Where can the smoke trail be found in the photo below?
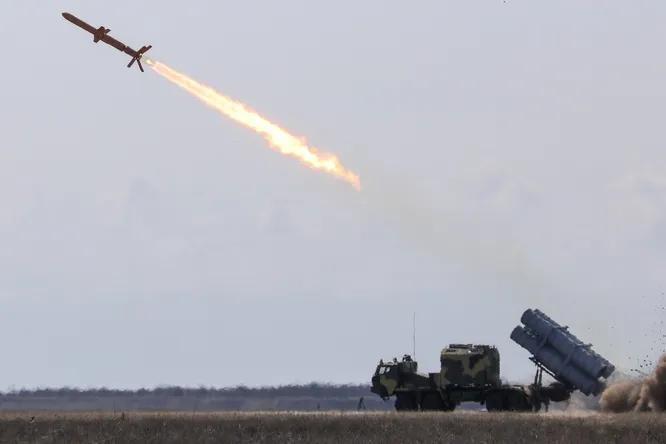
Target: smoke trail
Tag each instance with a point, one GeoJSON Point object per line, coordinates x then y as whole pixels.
{"type": "Point", "coordinates": [475, 242]}
{"type": "Point", "coordinates": [451, 238]}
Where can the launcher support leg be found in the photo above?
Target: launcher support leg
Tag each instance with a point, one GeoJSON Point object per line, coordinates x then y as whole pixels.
{"type": "Point", "coordinates": [538, 377]}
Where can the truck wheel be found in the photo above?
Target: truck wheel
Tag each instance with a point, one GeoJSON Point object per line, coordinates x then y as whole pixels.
{"type": "Point", "coordinates": [517, 402]}
{"type": "Point", "coordinates": [433, 401]}
{"type": "Point", "coordinates": [496, 402]}
{"type": "Point", "coordinates": [536, 405]}
{"type": "Point", "coordinates": [405, 402]}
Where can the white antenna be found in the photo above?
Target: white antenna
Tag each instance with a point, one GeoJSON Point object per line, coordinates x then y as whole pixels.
{"type": "Point", "coordinates": [414, 336]}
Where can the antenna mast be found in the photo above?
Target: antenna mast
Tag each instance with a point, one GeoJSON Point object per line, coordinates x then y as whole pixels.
{"type": "Point", "coordinates": [414, 335]}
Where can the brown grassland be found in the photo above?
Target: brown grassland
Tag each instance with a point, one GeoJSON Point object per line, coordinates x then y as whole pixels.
{"type": "Point", "coordinates": [324, 427]}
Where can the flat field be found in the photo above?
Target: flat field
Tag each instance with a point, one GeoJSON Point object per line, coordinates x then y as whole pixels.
{"type": "Point", "coordinates": [329, 427]}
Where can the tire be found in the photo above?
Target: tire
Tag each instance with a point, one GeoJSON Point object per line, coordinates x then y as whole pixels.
{"type": "Point", "coordinates": [496, 402]}
{"type": "Point", "coordinates": [405, 402]}
{"type": "Point", "coordinates": [517, 402]}
{"type": "Point", "coordinates": [432, 401]}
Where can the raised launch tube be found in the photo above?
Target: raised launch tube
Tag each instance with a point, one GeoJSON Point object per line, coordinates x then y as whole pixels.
{"type": "Point", "coordinates": [553, 361]}
{"type": "Point", "coordinates": [575, 351]}
{"type": "Point", "coordinates": [610, 368]}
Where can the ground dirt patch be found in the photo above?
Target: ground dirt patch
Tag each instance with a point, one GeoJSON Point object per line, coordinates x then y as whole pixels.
{"type": "Point", "coordinates": [323, 428]}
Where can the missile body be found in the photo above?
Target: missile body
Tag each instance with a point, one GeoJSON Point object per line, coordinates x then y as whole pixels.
{"type": "Point", "coordinates": [102, 34]}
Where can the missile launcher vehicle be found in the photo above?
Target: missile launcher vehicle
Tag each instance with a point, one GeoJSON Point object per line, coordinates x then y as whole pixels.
{"type": "Point", "coordinates": [471, 372]}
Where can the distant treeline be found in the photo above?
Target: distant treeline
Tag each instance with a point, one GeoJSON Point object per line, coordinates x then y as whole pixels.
{"type": "Point", "coordinates": [313, 396]}
{"type": "Point", "coordinates": [313, 389]}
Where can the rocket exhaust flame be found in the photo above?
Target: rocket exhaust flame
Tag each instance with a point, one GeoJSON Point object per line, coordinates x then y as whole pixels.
{"type": "Point", "coordinates": [278, 138]}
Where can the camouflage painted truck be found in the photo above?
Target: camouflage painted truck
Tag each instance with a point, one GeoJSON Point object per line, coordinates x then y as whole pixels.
{"type": "Point", "coordinates": [471, 373]}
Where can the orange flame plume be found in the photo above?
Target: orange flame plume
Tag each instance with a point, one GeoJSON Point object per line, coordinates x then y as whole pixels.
{"type": "Point", "coordinates": [277, 137]}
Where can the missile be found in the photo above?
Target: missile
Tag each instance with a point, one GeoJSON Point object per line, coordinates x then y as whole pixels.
{"type": "Point", "coordinates": [102, 34]}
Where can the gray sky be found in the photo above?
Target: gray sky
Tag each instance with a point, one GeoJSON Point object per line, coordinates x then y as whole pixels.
{"type": "Point", "coordinates": [511, 157]}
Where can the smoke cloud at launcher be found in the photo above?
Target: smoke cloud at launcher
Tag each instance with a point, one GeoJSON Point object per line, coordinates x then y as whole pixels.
{"type": "Point", "coordinates": [648, 394]}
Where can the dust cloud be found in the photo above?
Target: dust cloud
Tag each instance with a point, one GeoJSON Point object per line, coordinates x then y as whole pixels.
{"type": "Point", "coordinates": [646, 395]}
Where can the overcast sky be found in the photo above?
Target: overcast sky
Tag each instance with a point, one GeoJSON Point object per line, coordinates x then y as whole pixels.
{"type": "Point", "coordinates": [511, 156]}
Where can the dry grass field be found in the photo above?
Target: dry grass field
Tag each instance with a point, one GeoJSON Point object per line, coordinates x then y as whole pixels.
{"type": "Point", "coordinates": [384, 428]}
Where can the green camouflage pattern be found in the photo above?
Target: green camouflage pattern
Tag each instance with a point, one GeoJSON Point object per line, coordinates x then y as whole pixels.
{"type": "Point", "coordinates": [461, 365]}
{"type": "Point", "coordinates": [468, 373]}
{"type": "Point", "coordinates": [391, 375]}
{"type": "Point", "coordinates": [469, 365]}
